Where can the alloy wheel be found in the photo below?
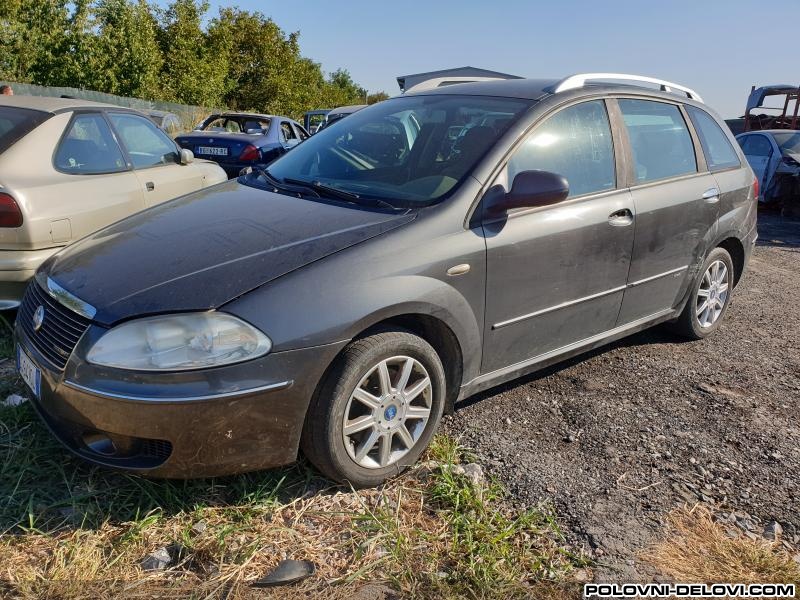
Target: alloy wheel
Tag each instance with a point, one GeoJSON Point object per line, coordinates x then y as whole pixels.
{"type": "Point", "coordinates": [387, 412]}
{"type": "Point", "coordinates": [712, 294]}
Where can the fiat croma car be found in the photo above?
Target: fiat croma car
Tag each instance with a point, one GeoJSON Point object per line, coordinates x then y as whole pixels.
{"type": "Point", "coordinates": [423, 249]}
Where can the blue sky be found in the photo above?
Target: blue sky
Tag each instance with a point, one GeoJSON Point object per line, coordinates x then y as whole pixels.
{"type": "Point", "coordinates": [709, 45]}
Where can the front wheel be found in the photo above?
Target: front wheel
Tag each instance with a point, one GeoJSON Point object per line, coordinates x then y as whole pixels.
{"type": "Point", "coordinates": [710, 297]}
{"type": "Point", "coordinates": [376, 410]}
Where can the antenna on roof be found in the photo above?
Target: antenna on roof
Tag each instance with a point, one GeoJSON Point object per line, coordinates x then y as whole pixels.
{"type": "Point", "coordinates": [578, 81]}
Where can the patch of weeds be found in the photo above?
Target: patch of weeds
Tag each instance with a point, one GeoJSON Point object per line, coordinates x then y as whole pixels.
{"type": "Point", "coordinates": [697, 548]}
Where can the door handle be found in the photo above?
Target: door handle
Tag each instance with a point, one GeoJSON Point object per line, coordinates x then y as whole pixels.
{"type": "Point", "coordinates": [711, 195]}
{"type": "Point", "coordinates": [150, 186]}
{"type": "Point", "coordinates": [621, 218]}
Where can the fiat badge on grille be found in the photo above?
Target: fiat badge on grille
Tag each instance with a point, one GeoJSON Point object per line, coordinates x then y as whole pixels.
{"type": "Point", "coordinates": [38, 318]}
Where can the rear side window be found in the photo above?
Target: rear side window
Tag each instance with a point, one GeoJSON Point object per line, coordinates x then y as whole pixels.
{"type": "Point", "coordinates": [89, 147]}
{"type": "Point", "coordinates": [16, 123]}
{"type": "Point", "coordinates": [660, 140]}
{"type": "Point", "coordinates": [718, 150]}
{"type": "Point", "coordinates": [147, 145]}
{"type": "Point", "coordinates": [575, 143]}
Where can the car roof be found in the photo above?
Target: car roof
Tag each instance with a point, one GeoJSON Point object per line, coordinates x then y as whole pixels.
{"type": "Point", "coordinates": [51, 104]}
{"type": "Point", "coordinates": [538, 89]}
{"type": "Point", "coordinates": [246, 114]}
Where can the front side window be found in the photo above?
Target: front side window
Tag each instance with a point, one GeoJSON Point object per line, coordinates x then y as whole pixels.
{"type": "Point", "coordinates": [575, 143]}
{"type": "Point", "coordinates": [286, 132]}
{"type": "Point", "coordinates": [301, 133]}
{"type": "Point", "coordinates": [408, 151]}
{"type": "Point", "coordinates": [716, 146]}
{"type": "Point", "coordinates": [89, 147]}
{"type": "Point", "coordinates": [660, 141]}
{"type": "Point", "coordinates": [147, 145]}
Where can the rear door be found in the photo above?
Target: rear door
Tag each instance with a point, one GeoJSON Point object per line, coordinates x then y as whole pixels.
{"type": "Point", "coordinates": [676, 201]}
{"type": "Point", "coordinates": [155, 159]}
{"type": "Point", "coordinates": [556, 274]}
{"type": "Point", "coordinates": [733, 179]}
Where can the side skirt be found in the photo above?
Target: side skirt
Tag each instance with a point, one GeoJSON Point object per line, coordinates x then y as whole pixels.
{"type": "Point", "coordinates": [488, 380]}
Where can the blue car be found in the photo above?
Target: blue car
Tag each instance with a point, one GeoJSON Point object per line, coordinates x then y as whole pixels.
{"type": "Point", "coordinates": [239, 140]}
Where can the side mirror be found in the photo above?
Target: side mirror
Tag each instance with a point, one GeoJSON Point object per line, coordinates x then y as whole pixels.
{"type": "Point", "coordinates": [185, 156]}
{"type": "Point", "coordinates": [531, 189]}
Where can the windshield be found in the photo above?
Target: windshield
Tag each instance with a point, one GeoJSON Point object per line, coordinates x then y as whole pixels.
{"type": "Point", "coordinates": [788, 142]}
{"type": "Point", "coordinates": [408, 151]}
{"type": "Point", "coordinates": [16, 122]}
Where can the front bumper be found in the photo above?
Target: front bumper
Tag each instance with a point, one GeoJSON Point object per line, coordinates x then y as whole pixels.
{"type": "Point", "coordinates": [204, 423]}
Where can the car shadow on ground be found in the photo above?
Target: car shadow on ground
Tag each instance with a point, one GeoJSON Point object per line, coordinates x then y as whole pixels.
{"type": "Point", "coordinates": [655, 335]}
{"type": "Point", "coordinates": [775, 230]}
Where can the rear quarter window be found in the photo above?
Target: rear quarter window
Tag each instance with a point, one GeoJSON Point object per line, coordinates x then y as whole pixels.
{"type": "Point", "coordinates": [717, 148]}
{"type": "Point", "coordinates": [15, 123]}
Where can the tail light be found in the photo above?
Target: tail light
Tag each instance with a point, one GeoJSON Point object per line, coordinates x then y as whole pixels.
{"type": "Point", "coordinates": [10, 214]}
{"type": "Point", "coordinates": [250, 152]}
{"type": "Point", "coordinates": [755, 188]}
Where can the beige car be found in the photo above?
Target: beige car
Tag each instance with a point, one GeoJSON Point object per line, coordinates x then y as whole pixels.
{"type": "Point", "coordinates": [69, 167]}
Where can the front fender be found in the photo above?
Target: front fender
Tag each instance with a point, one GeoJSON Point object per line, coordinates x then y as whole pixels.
{"type": "Point", "coordinates": [306, 308]}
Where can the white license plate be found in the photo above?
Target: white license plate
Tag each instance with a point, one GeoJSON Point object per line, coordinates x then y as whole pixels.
{"type": "Point", "coordinates": [212, 150]}
{"type": "Point", "coordinates": [29, 372]}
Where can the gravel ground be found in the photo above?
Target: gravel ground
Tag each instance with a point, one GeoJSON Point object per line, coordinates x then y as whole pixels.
{"type": "Point", "coordinates": [618, 437]}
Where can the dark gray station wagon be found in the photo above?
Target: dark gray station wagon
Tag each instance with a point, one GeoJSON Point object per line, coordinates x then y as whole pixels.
{"type": "Point", "coordinates": [421, 250]}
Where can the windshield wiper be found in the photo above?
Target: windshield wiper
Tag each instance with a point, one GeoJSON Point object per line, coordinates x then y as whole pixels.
{"type": "Point", "coordinates": [322, 189]}
{"type": "Point", "coordinates": [279, 186]}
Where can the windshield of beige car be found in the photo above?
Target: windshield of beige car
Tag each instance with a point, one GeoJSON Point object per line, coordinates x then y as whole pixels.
{"type": "Point", "coordinates": [408, 151]}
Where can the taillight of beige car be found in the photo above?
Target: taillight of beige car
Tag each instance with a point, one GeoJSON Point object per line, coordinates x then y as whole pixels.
{"type": "Point", "coordinates": [70, 167]}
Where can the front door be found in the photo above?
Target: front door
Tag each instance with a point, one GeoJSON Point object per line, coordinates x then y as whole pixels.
{"type": "Point", "coordinates": [556, 274]}
{"type": "Point", "coordinates": [155, 159]}
{"type": "Point", "coordinates": [676, 206]}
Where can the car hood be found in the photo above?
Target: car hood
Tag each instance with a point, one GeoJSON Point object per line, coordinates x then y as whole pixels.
{"type": "Point", "coordinates": [202, 250]}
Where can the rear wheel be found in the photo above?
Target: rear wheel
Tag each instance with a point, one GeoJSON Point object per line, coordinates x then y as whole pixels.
{"type": "Point", "coordinates": [376, 409]}
{"type": "Point", "coordinates": [710, 297]}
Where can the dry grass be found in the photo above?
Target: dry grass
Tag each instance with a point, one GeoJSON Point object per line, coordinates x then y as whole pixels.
{"type": "Point", "coordinates": [697, 549]}
{"type": "Point", "coordinates": [68, 530]}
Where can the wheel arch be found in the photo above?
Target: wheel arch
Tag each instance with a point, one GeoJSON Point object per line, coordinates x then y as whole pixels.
{"type": "Point", "coordinates": [439, 335]}
{"type": "Point", "coordinates": [734, 246]}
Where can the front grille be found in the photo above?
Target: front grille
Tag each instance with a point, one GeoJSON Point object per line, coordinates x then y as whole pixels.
{"type": "Point", "coordinates": [61, 328]}
{"type": "Point", "coordinates": [156, 448]}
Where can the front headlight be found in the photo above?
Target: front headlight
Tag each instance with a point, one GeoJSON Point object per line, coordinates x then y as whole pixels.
{"type": "Point", "coordinates": [179, 342]}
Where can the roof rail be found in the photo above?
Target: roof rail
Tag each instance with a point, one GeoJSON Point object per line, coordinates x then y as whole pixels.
{"type": "Point", "coordinates": [578, 81]}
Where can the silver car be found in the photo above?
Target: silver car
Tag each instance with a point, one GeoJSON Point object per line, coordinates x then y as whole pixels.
{"type": "Point", "coordinates": [774, 156]}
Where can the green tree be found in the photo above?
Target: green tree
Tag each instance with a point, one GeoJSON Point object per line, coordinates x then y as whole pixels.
{"type": "Point", "coordinates": [130, 58]}
{"type": "Point", "coordinates": [193, 73]}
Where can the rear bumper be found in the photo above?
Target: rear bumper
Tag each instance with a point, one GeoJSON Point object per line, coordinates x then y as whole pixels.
{"type": "Point", "coordinates": [17, 267]}
{"type": "Point", "coordinates": [206, 423]}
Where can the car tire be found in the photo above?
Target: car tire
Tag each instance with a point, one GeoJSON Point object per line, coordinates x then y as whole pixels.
{"type": "Point", "coordinates": [700, 318]}
{"type": "Point", "coordinates": [362, 389]}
